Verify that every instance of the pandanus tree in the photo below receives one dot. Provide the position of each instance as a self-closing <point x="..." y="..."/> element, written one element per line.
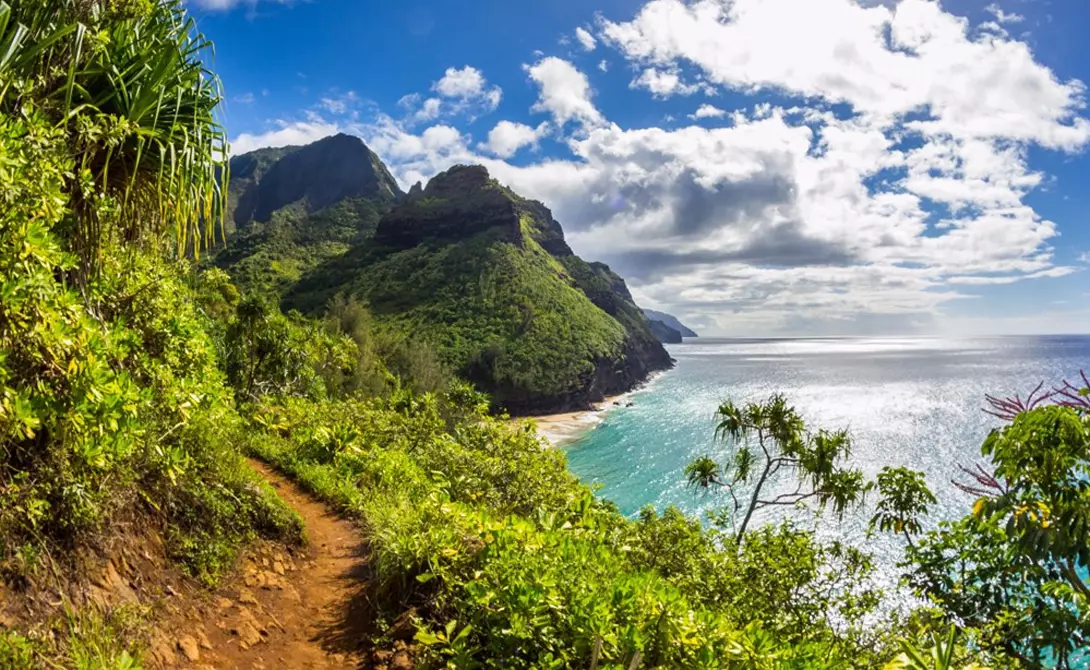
<point x="774" y="447"/>
<point x="127" y="82"/>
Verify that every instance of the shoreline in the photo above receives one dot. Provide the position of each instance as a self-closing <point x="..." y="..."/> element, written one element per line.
<point x="563" y="428"/>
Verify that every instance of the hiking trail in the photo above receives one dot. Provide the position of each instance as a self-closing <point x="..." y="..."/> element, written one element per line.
<point x="304" y="608"/>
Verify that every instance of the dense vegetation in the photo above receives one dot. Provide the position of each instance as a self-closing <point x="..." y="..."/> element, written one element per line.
<point x="130" y="384"/>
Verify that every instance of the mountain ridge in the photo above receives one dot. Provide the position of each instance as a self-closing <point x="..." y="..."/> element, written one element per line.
<point x="464" y="262"/>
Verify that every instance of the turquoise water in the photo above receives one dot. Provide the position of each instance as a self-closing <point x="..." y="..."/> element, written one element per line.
<point x="912" y="402"/>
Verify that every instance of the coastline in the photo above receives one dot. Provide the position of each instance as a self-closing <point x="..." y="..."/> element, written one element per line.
<point x="563" y="428"/>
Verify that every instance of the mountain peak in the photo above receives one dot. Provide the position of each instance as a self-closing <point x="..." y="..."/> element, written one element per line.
<point x="459" y="179"/>
<point x="458" y="203"/>
<point x="316" y="176"/>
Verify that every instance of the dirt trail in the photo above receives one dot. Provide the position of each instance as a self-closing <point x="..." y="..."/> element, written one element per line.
<point x="304" y="609"/>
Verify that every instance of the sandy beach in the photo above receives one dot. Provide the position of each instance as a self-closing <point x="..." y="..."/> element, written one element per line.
<point x="566" y="427"/>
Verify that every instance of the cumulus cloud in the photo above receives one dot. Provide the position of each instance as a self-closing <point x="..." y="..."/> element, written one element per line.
<point x="506" y="138"/>
<point x="838" y="50"/>
<point x="663" y="83"/>
<point x="286" y="133"/>
<point x="459" y="92"/>
<point x="565" y="92"/>
<point x="467" y="84"/>
<point x="585" y="39"/>
<point x="707" y="111"/>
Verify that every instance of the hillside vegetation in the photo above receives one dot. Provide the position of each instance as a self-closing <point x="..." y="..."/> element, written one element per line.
<point x="131" y="384"/>
<point x="486" y="277"/>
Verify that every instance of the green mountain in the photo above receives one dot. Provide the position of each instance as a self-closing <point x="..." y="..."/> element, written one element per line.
<point x="486" y="276"/>
<point x="291" y="209"/>
<point x="671" y="322"/>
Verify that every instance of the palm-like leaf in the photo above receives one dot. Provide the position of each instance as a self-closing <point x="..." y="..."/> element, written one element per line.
<point x="703" y="473"/>
<point x="139" y="106"/>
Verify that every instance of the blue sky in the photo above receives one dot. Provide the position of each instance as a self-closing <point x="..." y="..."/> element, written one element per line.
<point x="757" y="167"/>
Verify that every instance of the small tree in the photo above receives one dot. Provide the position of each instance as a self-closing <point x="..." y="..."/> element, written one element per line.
<point x="903" y="499"/>
<point x="772" y="441"/>
<point x="1015" y="569"/>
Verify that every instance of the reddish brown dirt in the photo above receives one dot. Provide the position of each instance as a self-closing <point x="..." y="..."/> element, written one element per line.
<point x="301" y="608"/>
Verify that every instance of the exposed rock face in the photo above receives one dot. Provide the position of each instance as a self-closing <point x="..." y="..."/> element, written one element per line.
<point x="293" y="208"/>
<point x="318" y="176"/>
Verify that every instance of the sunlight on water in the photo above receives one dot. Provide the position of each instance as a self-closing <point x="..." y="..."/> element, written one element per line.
<point x="912" y="402"/>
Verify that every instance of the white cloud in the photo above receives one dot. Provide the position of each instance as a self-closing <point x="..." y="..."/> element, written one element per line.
<point x="707" y="111"/>
<point x="506" y="138"/>
<point x="286" y="133"/>
<point x="837" y="50"/>
<point x="603" y="65"/>
<point x="468" y="85"/>
<point x="245" y="98"/>
<point x="883" y="217"/>
<point x="429" y="110"/>
<point x="339" y="104"/>
<point x="1002" y="16"/>
<point x="585" y="39"/>
<point x="663" y="83"/>
<point x="565" y="92"/>
<point x="460" y="91"/>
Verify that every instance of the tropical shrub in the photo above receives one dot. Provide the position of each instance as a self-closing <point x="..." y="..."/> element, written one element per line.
<point x="125" y="82"/>
<point x="1014" y="571"/>
<point x="775" y="428"/>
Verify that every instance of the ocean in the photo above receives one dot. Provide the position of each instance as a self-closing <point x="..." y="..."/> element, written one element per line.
<point x="914" y="402"/>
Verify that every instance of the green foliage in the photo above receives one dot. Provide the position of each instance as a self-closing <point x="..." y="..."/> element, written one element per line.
<point x="1015" y="569"/>
<point x="942" y="654"/>
<point x="88" y="640"/>
<point x="500" y="314"/>
<point x="125" y="83"/>
<point x="485" y="277"/>
<point x="903" y="499"/>
<point x="511" y="563"/>
<point x="269" y="258"/>
<point x="108" y="400"/>
<point x="814" y="459"/>
<point x="270" y="353"/>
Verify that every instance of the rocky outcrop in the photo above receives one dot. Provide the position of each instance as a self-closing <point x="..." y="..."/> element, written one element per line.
<point x="315" y="177"/>
<point x="464" y="203"/>
<point x="456" y="205"/>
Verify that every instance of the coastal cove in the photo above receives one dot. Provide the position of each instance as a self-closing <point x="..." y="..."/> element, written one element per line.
<point x="912" y="402"/>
